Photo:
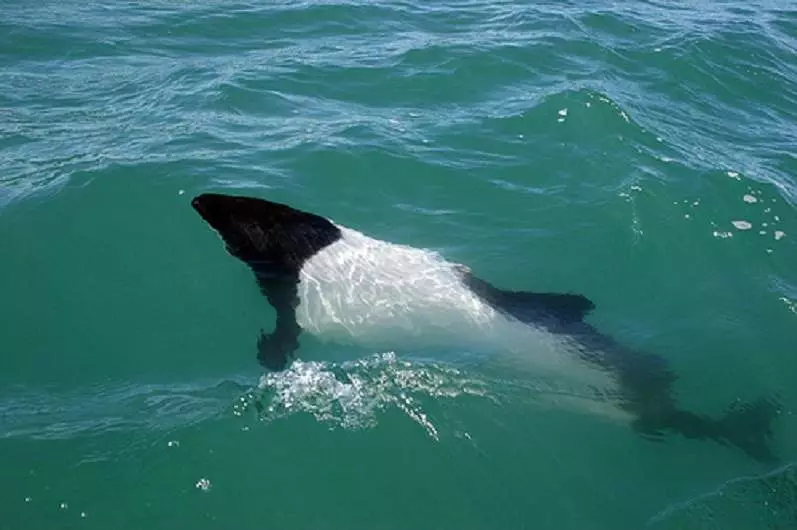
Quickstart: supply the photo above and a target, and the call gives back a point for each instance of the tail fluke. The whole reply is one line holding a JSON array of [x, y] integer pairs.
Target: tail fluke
[[749, 427]]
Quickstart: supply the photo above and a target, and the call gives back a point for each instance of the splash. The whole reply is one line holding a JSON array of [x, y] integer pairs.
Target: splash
[[791, 304], [352, 394]]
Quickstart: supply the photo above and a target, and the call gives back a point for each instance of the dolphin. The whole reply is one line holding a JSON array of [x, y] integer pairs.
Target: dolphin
[[337, 283]]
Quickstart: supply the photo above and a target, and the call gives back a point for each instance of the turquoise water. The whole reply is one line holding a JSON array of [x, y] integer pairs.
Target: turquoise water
[[640, 153]]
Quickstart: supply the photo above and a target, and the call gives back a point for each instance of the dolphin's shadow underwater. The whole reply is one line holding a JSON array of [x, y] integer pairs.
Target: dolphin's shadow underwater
[[330, 280]]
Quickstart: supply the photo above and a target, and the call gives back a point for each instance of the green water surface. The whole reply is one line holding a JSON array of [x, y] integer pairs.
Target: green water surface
[[639, 153]]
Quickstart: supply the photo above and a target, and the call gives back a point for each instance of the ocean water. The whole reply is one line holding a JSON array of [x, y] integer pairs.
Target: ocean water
[[643, 154]]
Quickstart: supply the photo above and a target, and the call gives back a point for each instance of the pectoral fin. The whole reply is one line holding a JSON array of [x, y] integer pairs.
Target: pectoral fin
[[275, 350]]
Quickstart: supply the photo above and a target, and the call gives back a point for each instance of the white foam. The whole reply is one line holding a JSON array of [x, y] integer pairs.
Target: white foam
[[350, 395], [791, 304], [353, 394]]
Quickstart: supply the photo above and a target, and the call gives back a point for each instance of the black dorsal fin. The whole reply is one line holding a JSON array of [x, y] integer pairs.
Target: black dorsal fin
[[567, 308], [552, 310]]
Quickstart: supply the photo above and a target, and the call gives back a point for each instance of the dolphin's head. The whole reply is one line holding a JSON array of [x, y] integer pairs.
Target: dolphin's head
[[269, 236]]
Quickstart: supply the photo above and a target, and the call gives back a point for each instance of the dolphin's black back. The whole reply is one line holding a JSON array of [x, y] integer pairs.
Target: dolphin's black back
[[272, 238]]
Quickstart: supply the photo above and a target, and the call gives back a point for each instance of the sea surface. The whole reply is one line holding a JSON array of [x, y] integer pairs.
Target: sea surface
[[641, 153]]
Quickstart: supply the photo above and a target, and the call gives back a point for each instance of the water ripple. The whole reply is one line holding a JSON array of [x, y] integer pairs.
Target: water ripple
[[96, 411]]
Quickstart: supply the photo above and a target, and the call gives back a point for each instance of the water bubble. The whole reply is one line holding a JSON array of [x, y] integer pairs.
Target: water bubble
[[749, 199], [203, 484], [742, 225]]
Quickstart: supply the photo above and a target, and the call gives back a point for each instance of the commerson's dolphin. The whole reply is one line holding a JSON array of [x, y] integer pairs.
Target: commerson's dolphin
[[337, 283]]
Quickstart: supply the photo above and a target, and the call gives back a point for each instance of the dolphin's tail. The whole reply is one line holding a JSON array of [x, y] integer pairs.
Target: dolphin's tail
[[749, 427], [746, 426]]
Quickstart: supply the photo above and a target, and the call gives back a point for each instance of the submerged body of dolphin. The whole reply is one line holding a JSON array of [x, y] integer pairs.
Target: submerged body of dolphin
[[337, 283]]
